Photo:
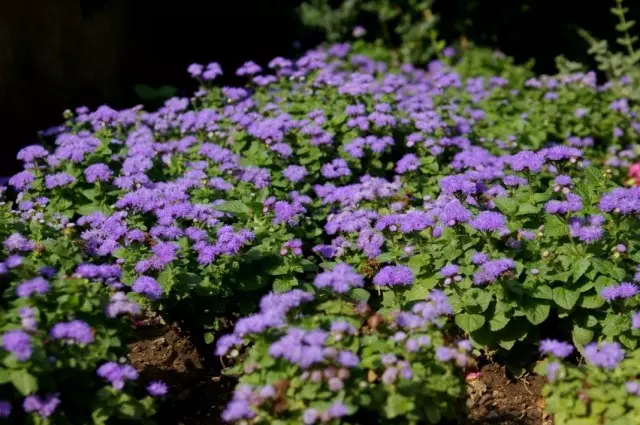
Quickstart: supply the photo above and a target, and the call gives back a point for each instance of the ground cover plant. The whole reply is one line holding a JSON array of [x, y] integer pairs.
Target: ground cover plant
[[371, 230]]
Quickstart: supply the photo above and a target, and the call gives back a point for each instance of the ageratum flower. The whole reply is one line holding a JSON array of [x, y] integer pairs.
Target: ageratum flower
[[73, 331], [147, 286], [606, 355], [491, 270], [117, 374], [17, 343], [556, 348], [394, 276], [37, 285], [157, 389], [341, 279], [489, 221], [44, 407]]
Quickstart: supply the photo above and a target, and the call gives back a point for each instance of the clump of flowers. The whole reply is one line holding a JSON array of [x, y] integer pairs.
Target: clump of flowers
[[312, 368]]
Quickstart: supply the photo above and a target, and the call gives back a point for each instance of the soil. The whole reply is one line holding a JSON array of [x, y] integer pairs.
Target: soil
[[495, 399], [198, 392]]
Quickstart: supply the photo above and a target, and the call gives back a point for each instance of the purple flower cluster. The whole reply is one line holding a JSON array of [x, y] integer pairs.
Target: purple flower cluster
[[340, 280], [588, 229], [491, 270], [394, 276], [623, 290], [74, 331], [117, 374], [606, 355]]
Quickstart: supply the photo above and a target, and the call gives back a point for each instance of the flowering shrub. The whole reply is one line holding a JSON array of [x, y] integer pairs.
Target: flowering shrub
[[348, 179], [319, 358], [61, 330], [604, 390]]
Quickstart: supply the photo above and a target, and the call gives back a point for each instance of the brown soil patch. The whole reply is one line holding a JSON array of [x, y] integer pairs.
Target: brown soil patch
[[197, 392], [495, 399]]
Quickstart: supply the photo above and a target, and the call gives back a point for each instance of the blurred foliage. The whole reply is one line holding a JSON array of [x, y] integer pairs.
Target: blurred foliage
[[406, 27]]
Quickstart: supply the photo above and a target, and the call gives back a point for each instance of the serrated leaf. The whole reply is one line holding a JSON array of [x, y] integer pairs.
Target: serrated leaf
[[527, 208], [498, 322], [581, 336], [554, 226], [579, 268], [469, 322], [233, 207], [536, 312], [284, 284], [543, 292], [565, 298], [507, 206]]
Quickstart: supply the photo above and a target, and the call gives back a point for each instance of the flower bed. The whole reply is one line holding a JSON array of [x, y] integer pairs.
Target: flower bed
[[370, 230]]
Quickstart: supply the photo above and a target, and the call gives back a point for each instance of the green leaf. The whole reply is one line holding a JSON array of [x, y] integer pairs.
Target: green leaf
[[579, 268], [581, 336], [591, 301], [385, 257], [24, 382], [470, 322], [526, 209], [359, 294], [233, 207], [536, 312], [285, 284], [554, 226], [498, 322], [565, 298], [507, 206], [543, 292], [398, 405]]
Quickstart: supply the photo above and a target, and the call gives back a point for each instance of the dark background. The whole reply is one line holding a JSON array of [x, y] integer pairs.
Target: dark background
[[68, 53]]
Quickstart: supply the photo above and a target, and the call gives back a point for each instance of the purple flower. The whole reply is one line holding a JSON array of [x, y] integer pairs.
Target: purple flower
[[286, 212], [120, 304], [249, 68], [489, 221], [18, 343], [310, 416], [555, 348], [457, 183], [148, 286], [157, 389], [5, 409], [37, 285], [58, 179], [341, 279], [74, 331], [393, 276], [635, 320], [336, 168], [588, 229], [212, 71], [449, 270], [17, 242], [491, 270], [31, 153], [607, 355], [407, 163], [479, 258], [295, 173], [44, 407], [117, 374], [22, 180], [97, 173], [622, 291]]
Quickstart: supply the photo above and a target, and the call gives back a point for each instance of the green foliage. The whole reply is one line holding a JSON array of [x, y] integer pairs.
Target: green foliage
[[406, 28]]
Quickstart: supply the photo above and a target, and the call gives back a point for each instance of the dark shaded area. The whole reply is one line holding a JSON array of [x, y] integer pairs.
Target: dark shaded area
[[59, 55], [539, 29]]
